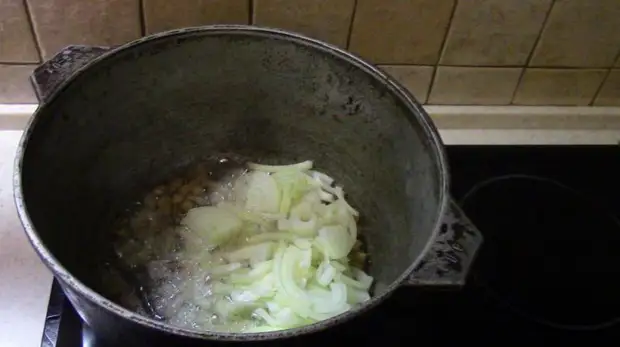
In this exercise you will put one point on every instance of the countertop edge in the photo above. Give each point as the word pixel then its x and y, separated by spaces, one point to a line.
pixel 475 124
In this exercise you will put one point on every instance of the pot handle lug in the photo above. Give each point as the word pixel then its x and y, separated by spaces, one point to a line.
pixel 448 261
pixel 50 75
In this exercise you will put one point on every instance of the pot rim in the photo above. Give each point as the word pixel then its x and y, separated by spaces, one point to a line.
pixel 418 117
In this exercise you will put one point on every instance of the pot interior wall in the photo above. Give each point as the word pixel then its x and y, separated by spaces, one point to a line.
pixel 130 120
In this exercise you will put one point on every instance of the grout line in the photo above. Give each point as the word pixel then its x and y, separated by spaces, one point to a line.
pixel 540 34
pixel 431 84
pixel 35 37
pixel 600 87
pixel 251 12
pixel 401 65
pixel 12 63
pixel 509 66
pixel 534 46
pixel 598 91
pixel 565 67
pixel 350 32
pixel 142 18
pixel 506 66
pixel 441 50
pixel 458 65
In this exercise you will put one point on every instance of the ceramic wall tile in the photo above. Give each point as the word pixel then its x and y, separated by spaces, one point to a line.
pixel 162 15
pixel 494 32
pixel 16 39
pixel 59 23
pixel 580 33
pixel 417 79
pixel 567 87
pixel 15 87
pixel 609 95
pixel 474 85
pixel 326 20
pixel 400 31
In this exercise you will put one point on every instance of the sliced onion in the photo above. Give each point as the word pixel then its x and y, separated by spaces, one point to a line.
pixel 302 166
pixel 281 249
pixel 334 241
pixel 262 193
pixel 254 253
pixel 215 225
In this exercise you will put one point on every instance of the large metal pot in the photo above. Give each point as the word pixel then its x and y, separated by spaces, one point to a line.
pixel 112 122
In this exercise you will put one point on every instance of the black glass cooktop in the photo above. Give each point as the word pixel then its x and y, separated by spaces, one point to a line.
pixel 548 272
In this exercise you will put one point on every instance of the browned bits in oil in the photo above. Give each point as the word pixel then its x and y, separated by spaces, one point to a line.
pixel 153 230
pixel 122 232
pixel 198 200
pixel 197 190
pixel 164 205
pixel 177 199
pixel 176 184
pixel 144 222
pixel 150 201
pixel 358 259
pixel 185 189
pixel 199 171
pixel 209 184
pixel 187 205
pixel 139 221
pixel 159 190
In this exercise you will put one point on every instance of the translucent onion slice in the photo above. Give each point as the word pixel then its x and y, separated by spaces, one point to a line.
pixel 214 225
pixel 281 250
pixel 302 166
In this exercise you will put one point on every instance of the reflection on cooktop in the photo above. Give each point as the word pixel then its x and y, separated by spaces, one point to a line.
pixel 550 254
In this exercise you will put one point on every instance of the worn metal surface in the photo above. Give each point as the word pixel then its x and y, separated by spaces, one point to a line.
pixel 268 95
pixel 448 260
pixel 49 75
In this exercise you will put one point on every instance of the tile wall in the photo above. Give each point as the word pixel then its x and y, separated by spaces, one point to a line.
pixel 447 52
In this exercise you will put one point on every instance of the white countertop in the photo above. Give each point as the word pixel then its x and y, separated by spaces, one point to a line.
pixel 25 282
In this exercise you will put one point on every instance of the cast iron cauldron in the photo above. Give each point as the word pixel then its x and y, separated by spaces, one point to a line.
pixel 113 121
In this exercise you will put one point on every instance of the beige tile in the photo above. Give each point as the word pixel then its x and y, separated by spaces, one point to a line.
pixel 580 33
pixel 326 20
pixel 494 32
pixel 16 41
pixel 162 15
pixel 59 23
pixel 400 31
pixel 474 85
pixel 15 87
pixel 609 95
pixel 417 79
pixel 558 86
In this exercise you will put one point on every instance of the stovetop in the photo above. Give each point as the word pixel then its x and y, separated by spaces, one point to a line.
pixel 547 272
